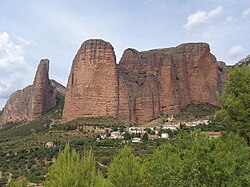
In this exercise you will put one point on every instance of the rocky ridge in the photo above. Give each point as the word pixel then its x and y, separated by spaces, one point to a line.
pixel 34 100
pixel 244 61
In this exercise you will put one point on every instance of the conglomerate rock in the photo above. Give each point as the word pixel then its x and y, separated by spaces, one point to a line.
pixel 34 100
pixel 179 76
pixel 92 85
pixel 144 84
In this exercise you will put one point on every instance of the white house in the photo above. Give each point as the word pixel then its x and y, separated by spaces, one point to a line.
pixel 115 135
pixel 171 127
pixel 164 135
pixel 135 130
pixel 136 140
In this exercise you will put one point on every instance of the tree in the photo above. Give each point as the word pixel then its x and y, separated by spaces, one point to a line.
pixel 126 170
pixel 126 136
pixel 195 160
pixel 235 107
pixel 145 137
pixel 70 170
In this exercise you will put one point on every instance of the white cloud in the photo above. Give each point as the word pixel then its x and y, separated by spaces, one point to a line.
pixel 26 41
pixel 13 67
pixel 236 50
pixel 246 12
pixel 201 17
pixel 11 55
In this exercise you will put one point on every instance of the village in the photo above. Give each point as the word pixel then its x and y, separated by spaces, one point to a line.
pixel 167 130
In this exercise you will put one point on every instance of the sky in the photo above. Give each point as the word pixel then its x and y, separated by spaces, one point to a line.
pixel 31 30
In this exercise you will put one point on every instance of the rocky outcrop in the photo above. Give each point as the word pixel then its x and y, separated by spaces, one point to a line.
pixel 244 61
pixel 92 85
pixel 60 89
pixel 168 79
pixel 144 84
pixel 34 100
pixel 43 95
pixel 223 75
pixel 17 107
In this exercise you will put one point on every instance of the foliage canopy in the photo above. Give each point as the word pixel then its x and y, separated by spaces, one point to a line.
pixel 235 108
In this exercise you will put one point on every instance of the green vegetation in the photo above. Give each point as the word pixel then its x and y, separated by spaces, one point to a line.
pixel 71 170
pixel 20 182
pixel 191 160
pixel 92 121
pixel 212 126
pixel 23 129
pixel 197 111
pixel 126 169
pixel 235 109
pixel 31 162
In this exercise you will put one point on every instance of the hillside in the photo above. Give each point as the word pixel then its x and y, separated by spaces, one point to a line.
pixel 22 144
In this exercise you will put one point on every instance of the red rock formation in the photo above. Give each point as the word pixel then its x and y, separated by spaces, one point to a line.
pixel 185 74
pixel 144 85
pixel 44 95
pixel 92 88
pixel 34 100
pixel 17 107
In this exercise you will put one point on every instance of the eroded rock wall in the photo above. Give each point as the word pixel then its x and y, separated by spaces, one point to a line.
pixel 43 97
pixel 188 73
pixel 144 84
pixel 34 100
pixel 92 88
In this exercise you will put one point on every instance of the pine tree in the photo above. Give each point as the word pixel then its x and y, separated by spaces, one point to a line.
pixel 126 169
pixel 70 170
pixel 235 108
pixel 195 160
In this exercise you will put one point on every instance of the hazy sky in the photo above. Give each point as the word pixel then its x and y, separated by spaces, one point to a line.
pixel 54 29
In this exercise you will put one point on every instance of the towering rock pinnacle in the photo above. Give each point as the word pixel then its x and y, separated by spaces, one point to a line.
pixel 144 84
pixel 92 88
pixel 43 97
pixel 34 100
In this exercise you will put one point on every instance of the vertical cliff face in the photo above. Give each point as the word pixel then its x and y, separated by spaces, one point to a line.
pixel 92 88
pixel 141 87
pixel 33 101
pixel 44 94
pixel 144 84
pixel 188 73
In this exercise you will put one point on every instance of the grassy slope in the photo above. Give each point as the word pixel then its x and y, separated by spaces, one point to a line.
pixel 197 111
